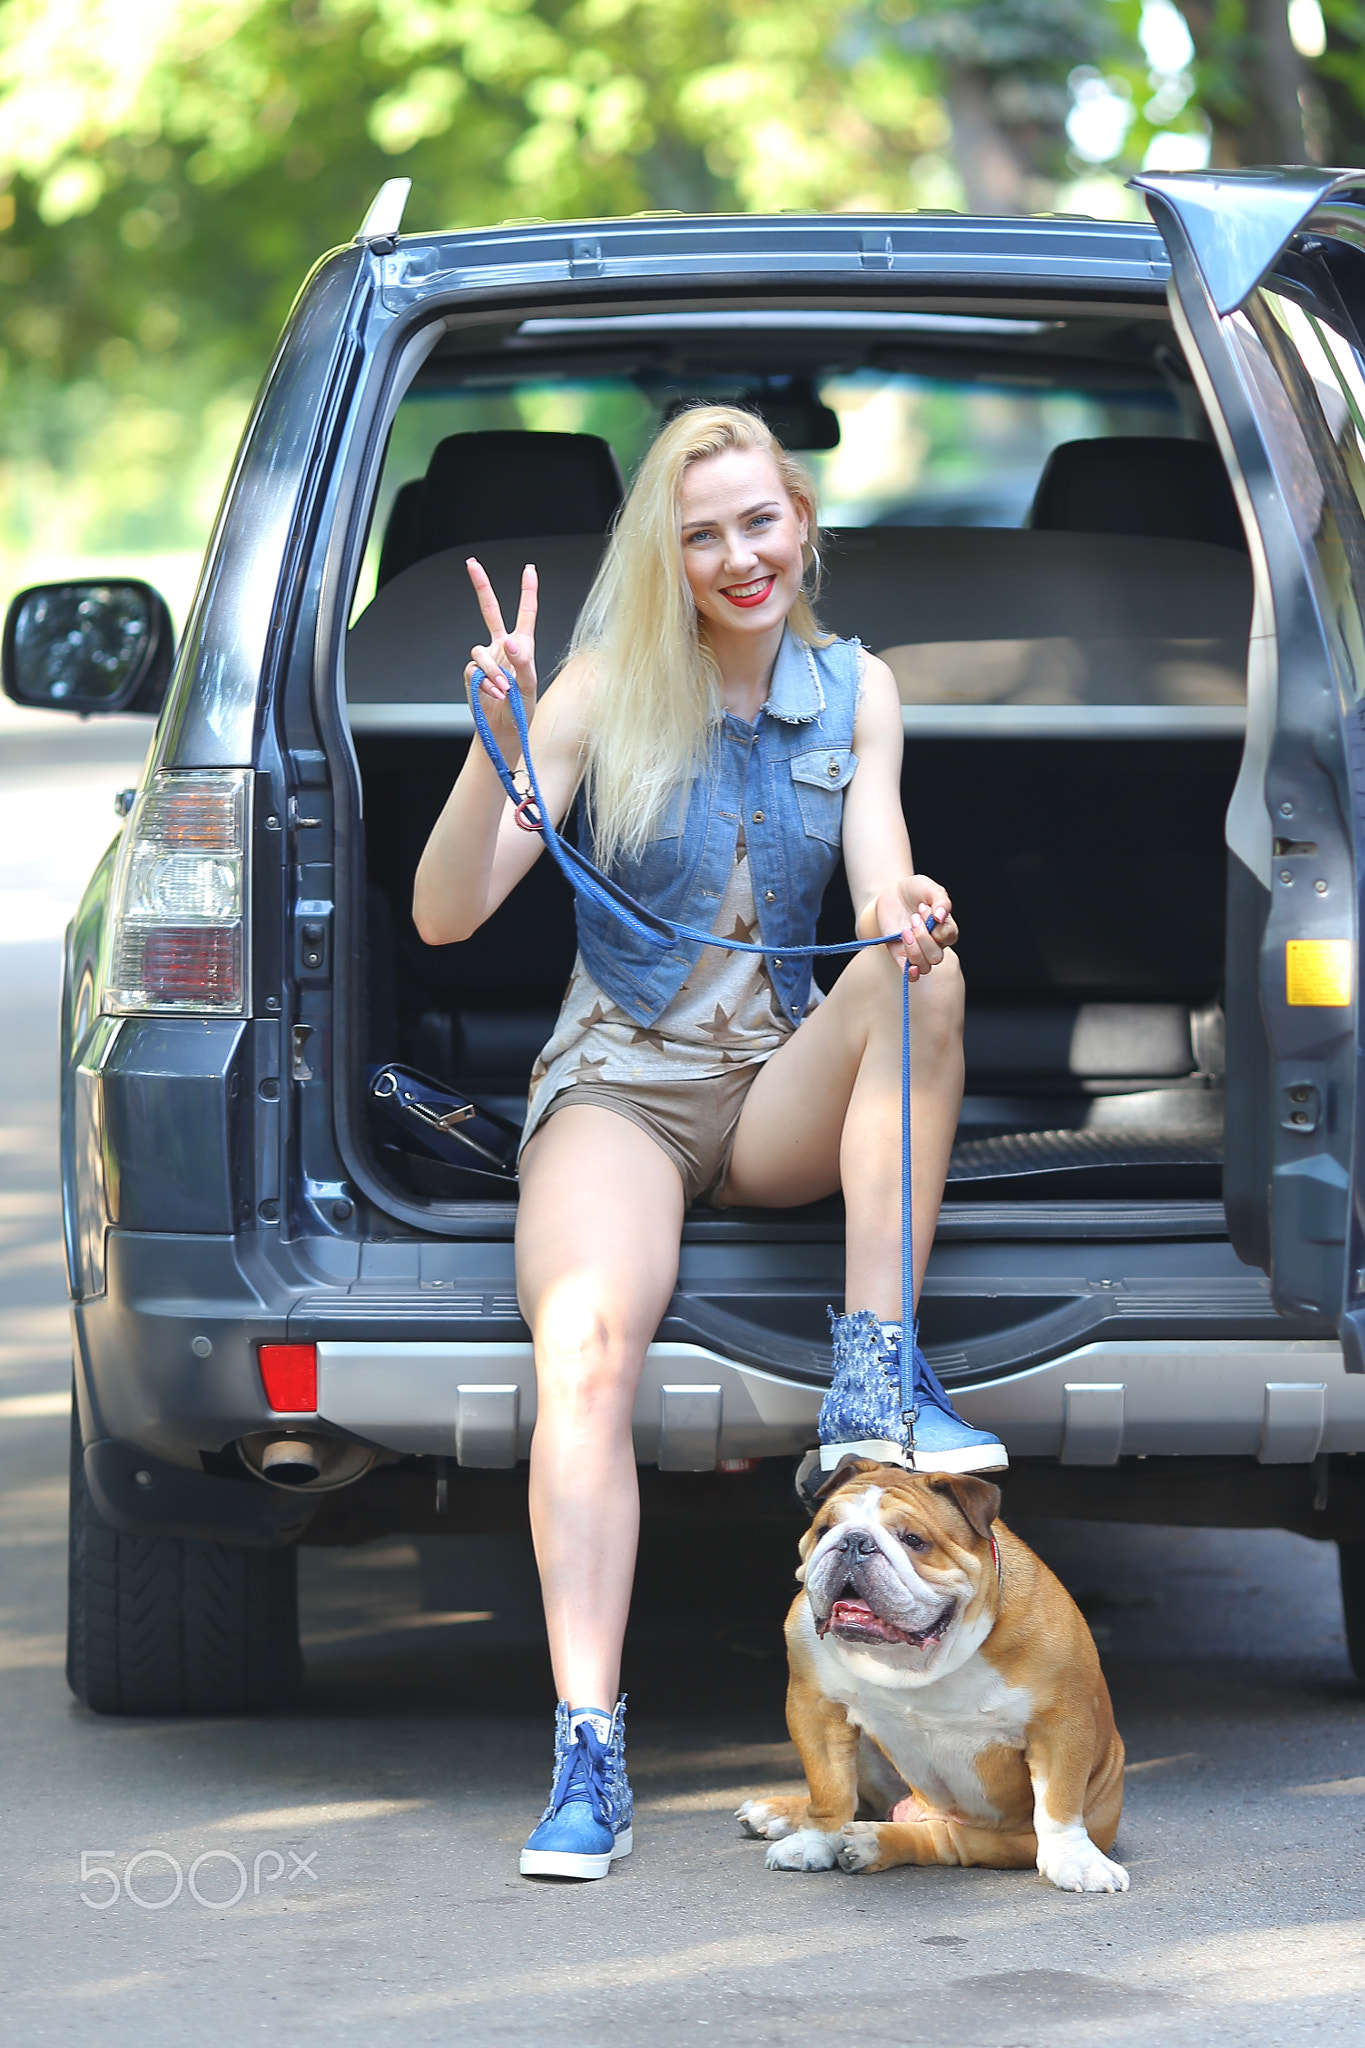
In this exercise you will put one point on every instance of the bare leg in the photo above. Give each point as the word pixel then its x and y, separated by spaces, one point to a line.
pixel 598 1228
pixel 826 1113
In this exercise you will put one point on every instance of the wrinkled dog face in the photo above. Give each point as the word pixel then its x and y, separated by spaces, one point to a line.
pixel 892 1568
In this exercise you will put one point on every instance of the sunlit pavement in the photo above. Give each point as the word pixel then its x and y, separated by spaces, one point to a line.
pixel 372 1835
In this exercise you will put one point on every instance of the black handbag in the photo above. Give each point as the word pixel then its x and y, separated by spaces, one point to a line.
pixel 443 1123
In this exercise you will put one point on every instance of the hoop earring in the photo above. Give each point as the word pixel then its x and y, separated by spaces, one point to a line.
pixel 817 564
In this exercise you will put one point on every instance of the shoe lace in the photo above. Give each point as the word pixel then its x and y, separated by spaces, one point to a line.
pixel 928 1389
pixel 582 1779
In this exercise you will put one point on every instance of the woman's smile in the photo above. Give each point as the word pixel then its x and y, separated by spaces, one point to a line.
pixel 747 594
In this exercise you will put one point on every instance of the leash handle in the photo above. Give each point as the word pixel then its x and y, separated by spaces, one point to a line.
pixel 586 879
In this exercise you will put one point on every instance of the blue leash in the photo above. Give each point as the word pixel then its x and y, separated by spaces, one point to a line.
pixel 587 880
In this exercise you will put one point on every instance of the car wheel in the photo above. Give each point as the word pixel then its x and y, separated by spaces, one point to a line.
pixel 163 1625
pixel 1352 1556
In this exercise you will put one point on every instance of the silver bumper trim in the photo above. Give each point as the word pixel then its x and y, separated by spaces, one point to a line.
pixel 1282 1402
pixel 475 1402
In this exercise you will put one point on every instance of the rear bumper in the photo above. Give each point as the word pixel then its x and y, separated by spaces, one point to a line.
pixel 1280 1402
pixel 1180 1356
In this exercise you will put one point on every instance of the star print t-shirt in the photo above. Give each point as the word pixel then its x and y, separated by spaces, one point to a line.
pixel 725 1015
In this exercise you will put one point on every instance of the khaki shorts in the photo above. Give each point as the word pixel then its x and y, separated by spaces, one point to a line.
pixel 693 1121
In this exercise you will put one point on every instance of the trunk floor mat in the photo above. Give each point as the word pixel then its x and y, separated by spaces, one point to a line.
pixel 1185 1164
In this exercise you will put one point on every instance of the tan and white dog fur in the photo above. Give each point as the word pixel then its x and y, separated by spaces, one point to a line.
pixel 940 1675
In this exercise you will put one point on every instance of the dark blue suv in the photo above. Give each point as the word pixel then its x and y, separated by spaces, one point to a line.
pixel 1097 492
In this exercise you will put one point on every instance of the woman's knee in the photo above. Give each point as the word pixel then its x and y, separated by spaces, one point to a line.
pixel 938 999
pixel 942 994
pixel 939 1006
pixel 586 1360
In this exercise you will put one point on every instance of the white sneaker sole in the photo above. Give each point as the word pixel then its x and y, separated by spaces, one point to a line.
pixel 561 1863
pixel 994 1459
pixel 880 1448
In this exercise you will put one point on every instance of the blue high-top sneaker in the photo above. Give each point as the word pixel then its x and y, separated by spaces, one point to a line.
pixel 861 1415
pixel 587 1823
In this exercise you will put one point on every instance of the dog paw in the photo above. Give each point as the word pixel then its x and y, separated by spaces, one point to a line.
pixel 807 1849
pixel 860 1846
pixel 1080 1867
pixel 763 1821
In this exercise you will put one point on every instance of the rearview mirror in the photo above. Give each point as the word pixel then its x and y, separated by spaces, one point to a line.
pixel 88 647
pixel 795 411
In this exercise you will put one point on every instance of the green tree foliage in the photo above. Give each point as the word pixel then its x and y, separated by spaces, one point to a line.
pixel 178 182
pixel 168 174
pixel 1003 67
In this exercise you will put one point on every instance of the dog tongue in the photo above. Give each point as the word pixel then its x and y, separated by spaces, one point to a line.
pixel 855 1613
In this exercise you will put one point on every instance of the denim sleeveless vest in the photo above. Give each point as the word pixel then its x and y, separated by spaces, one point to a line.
pixel 785 776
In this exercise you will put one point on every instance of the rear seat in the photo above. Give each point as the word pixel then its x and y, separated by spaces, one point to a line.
pixel 963 615
pixel 1124 534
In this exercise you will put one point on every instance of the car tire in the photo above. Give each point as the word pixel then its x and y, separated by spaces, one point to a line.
pixel 165 1625
pixel 1352 1559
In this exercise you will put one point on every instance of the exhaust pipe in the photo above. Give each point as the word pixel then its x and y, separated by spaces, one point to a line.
pixel 317 1462
pixel 291 1461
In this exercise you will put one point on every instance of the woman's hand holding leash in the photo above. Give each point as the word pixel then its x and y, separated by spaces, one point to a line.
pixel 910 904
pixel 509 658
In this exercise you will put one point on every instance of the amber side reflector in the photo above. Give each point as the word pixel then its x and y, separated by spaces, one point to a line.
pixel 289 1373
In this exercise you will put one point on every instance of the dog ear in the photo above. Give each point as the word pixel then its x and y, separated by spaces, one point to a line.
pixel 977 1498
pixel 847 1468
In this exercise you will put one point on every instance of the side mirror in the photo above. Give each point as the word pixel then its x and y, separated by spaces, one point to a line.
pixel 88 647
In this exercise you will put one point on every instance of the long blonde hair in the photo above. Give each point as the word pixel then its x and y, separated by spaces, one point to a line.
pixel 656 696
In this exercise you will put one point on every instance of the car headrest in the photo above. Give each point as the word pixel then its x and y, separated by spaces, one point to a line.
pixel 1168 489
pixel 510 484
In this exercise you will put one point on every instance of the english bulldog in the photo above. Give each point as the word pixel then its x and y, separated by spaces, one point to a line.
pixel 941 1676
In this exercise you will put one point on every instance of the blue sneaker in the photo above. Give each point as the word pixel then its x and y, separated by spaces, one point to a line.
pixel 587 1823
pixel 861 1415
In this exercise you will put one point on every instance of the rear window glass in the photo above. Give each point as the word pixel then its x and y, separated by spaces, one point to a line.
pixel 927 466
pixel 912 451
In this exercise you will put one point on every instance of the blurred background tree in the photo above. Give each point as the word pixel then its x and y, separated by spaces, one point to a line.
pixel 169 169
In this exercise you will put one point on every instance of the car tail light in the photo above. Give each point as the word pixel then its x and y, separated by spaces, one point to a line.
pixel 289 1374
pixel 177 927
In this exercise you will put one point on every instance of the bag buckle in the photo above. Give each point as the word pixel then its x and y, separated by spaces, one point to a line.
pixel 439 1123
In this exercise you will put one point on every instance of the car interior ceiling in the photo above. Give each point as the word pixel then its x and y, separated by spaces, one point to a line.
pixel 1087 872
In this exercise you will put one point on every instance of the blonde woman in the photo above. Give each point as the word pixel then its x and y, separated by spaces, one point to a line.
pixel 724 751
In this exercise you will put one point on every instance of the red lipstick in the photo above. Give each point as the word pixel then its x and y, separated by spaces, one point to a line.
pixel 755 596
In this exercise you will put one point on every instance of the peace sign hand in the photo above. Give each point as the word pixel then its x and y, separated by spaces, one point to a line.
pixel 508 660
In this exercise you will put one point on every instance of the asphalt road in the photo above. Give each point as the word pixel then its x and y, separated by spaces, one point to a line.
pixel 372 1834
